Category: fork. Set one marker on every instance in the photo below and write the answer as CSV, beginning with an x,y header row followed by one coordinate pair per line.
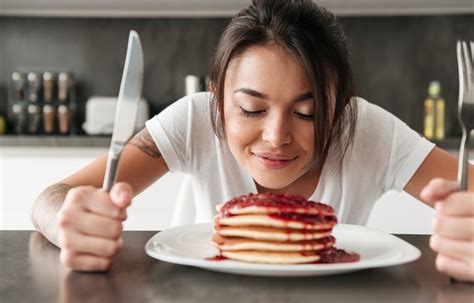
x,y
465,54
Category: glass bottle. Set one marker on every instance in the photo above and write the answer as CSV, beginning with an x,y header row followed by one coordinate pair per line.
x,y
429,114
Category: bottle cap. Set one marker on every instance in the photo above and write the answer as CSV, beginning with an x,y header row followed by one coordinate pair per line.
x,y
435,88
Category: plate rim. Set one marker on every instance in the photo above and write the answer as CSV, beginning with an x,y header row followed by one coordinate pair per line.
x,y
410,254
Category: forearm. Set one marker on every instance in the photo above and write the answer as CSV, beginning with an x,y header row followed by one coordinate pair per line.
x,y
45,208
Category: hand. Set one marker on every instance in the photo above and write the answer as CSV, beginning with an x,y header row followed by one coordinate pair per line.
x,y
90,226
453,228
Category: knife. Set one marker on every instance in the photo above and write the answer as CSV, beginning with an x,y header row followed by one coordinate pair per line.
x,y
127,104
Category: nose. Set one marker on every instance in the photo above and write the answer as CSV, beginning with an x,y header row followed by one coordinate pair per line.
x,y
277,130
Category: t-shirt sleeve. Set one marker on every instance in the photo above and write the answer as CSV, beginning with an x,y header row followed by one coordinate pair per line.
x,y
407,152
183,133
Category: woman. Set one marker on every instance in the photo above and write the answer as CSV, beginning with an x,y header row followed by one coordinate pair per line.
x,y
280,117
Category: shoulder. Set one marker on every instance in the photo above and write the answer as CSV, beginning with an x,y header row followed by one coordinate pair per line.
x,y
370,112
375,120
374,132
195,107
199,101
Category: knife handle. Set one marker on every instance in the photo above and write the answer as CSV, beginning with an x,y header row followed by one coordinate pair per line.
x,y
110,171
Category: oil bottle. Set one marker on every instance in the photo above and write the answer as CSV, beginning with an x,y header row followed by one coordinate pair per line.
x,y
440,127
434,110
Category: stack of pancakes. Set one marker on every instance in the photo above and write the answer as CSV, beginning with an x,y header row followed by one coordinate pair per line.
x,y
274,228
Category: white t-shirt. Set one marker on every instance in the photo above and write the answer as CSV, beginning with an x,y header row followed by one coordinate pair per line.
x,y
385,155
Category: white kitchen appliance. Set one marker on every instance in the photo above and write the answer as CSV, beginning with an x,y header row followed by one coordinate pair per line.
x,y
100,113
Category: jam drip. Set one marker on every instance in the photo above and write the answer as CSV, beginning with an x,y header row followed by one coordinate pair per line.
x,y
216,258
305,218
335,255
285,203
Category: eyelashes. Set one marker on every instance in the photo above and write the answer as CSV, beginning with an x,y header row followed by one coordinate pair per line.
x,y
305,117
250,114
254,114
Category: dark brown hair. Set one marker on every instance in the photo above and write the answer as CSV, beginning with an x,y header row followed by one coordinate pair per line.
x,y
315,37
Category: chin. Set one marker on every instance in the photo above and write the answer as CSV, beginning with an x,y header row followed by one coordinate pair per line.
x,y
273,182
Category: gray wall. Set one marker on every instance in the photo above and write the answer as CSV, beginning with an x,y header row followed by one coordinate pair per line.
x,y
394,57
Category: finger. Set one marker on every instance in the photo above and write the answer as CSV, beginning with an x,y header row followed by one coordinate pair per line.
x,y
93,200
454,267
437,189
91,224
77,243
84,262
123,215
460,228
121,194
453,248
456,204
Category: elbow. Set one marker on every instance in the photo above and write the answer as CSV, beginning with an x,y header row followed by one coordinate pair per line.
x,y
32,214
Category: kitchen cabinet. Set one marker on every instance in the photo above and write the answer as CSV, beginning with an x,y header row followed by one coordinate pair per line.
x,y
219,8
26,171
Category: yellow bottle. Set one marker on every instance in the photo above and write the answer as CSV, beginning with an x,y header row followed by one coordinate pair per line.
x,y
2,125
439,117
434,107
429,118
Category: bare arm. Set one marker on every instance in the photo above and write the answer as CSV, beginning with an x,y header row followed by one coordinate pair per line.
x,y
141,164
438,164
45,209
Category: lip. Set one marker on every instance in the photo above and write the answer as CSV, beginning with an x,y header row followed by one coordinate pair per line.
x,y
274,161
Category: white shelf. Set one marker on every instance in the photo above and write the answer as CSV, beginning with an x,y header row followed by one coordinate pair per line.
x,y
219,8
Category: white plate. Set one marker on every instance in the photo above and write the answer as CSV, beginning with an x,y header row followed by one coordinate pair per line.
x,y
191,244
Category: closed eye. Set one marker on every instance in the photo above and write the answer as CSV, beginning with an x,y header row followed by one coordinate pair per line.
x,y
250,114
304,116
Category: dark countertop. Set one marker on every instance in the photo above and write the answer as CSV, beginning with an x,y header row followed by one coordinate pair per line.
x,y
30,272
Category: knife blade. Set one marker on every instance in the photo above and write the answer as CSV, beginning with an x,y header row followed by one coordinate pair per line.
x,y
127,105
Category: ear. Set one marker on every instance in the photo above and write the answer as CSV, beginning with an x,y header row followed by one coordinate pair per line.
x,y
211,86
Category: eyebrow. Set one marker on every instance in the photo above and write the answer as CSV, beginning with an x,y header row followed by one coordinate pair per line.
x,y
257,94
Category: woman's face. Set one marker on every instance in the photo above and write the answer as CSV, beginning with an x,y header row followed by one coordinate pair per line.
x,y
269,115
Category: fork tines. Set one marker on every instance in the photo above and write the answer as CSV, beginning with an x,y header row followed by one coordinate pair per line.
x,y
465,56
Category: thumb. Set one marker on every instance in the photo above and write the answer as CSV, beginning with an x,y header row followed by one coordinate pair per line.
x,y
121,194
437,189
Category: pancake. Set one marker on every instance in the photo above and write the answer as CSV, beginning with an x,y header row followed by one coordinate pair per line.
x,y
234,243
270,257
311,222
270,233
277,229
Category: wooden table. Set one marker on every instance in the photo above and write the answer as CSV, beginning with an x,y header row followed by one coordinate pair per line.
x,y
30,272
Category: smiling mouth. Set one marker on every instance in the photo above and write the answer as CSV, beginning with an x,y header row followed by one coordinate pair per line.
x,y
272,157
271,161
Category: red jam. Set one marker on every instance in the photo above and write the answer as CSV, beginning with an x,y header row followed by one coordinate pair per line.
x,y
284,203
336,255
216,258
305,218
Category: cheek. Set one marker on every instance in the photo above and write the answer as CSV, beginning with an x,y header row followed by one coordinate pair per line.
x,y
306,138
237,133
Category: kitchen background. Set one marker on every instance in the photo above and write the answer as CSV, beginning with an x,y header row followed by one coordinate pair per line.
x,y
394,57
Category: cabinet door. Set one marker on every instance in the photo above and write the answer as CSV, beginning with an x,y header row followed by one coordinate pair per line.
x,y
25,172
